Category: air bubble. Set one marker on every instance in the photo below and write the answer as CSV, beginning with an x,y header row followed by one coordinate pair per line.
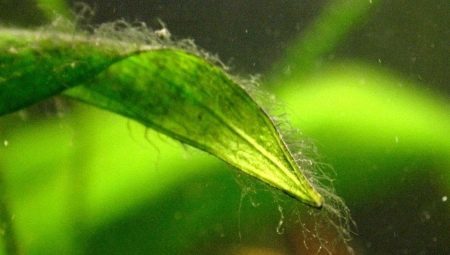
x,y
444,199
5,143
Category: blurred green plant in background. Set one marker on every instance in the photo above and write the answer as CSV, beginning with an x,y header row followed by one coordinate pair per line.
x,y
81,180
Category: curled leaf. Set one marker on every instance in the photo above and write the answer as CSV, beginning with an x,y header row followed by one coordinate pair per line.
x,y
167,89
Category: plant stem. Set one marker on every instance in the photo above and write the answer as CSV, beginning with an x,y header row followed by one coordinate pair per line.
x,y
6,222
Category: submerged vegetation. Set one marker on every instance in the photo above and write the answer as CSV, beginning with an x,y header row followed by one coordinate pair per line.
x,y
172,87
101,183
170,90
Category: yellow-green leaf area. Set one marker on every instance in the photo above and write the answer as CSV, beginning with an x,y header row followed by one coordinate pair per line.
x,y
173,91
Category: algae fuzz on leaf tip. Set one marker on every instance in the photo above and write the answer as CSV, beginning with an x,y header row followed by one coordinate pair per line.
x,y
175,90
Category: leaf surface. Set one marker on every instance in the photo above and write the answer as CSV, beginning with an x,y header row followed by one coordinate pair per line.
x,y
167,89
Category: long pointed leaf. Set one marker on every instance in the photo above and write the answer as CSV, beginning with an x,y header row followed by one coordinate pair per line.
x,y
170,90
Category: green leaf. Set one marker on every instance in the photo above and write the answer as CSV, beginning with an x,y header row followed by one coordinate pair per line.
x,y
169,90
373,124
333,25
